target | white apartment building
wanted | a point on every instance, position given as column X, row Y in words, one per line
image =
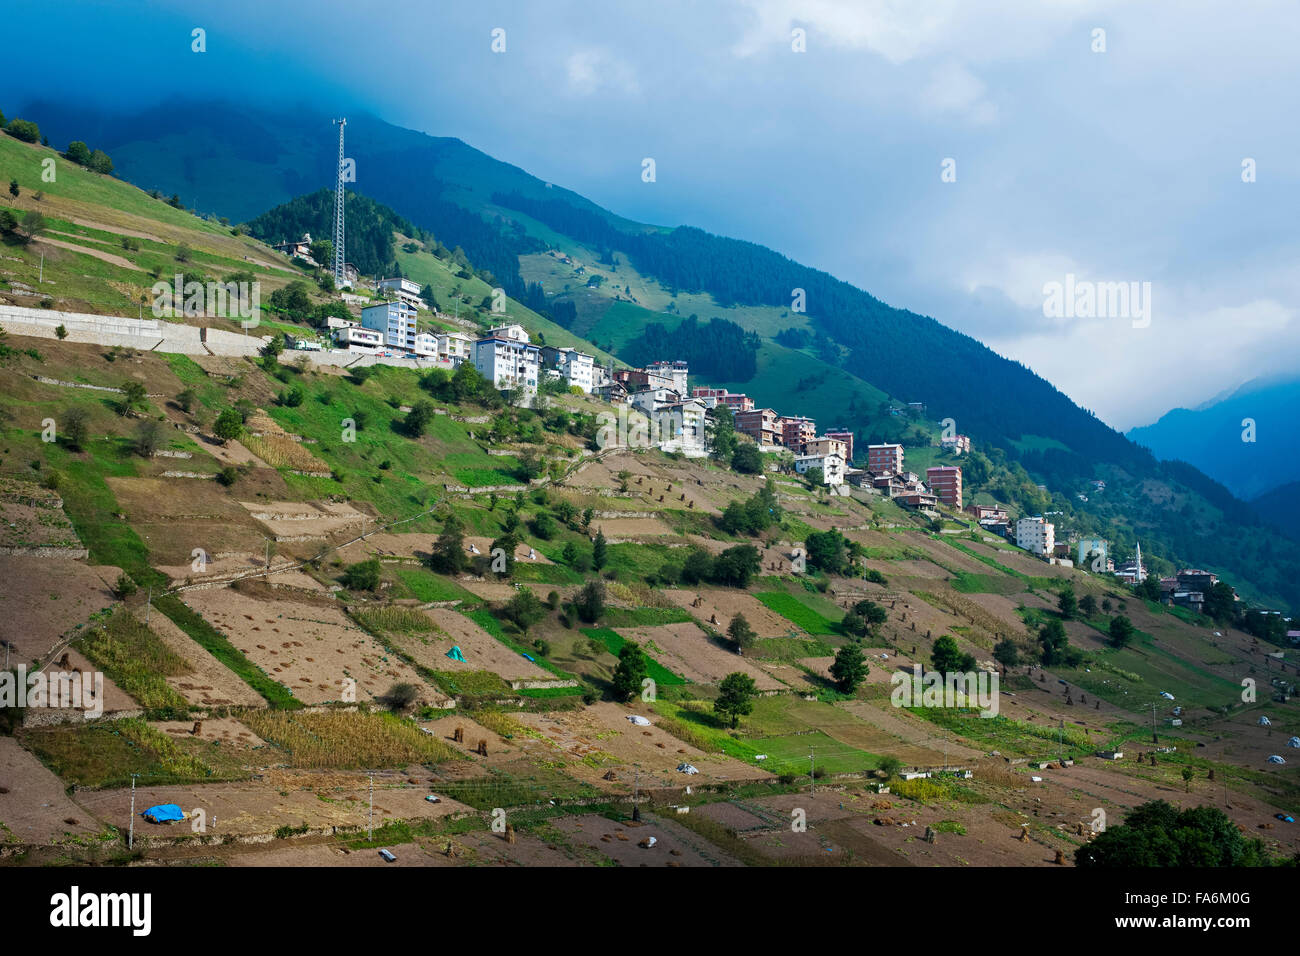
column 680, row 427
column 356, row 337
column 1036, row 535
column 832, row 466
column 508, row 363
column 455, row 347
column 674, row 372
column 426, row 345
column 395, row 320
column 403, row 290
column 576, row 368
column 514, row 333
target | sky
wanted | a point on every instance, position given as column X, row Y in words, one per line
column 956, row 159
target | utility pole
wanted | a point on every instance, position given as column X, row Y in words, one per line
column 636, row 792
column 41, row 279
column 130, row 837
column 1154, row 739
column 370, row 820
column 148, row 606
column 812, row 778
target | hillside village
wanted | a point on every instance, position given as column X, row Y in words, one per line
column 376, row 574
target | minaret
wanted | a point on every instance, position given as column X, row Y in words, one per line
column 1141, row 572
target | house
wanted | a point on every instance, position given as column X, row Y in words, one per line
column 576, row 368
column 613, row 392
column 648, row 399
column 796, row 431
column 760, row 425
column 845, row 436
column 426, row 345
column 1293, row 636
column 454, row 347
column 1092, row 549
column 679, row 426
column 513, row 333
column 395, row 320
column 921, row 500
column 945, row 481
column 298, row 249
column 831, row 465
column 825, row 445
column 713, row 397
column 1196, row 579
column 883, row 459
column 1036, row 535
column 675, row 372
column 508, row 362
column 1132, row 572
column 982, row 513
column 957, row 444
column 401, row 289
column 358, row 338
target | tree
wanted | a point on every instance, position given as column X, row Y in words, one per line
column 1088, row 605
column 133, row 394
column 124, row 587
column 721, row 434
column 148, row 436
column 1054, row 641
column 946, row 657
column 77, row 152
column 1220, row 602
column 1006, row 653
column 599, row 551
column 889, row 766
column 849, row 668
column 25, row 130
column 229, row 425
column 418, row 418
column 362, row 576
column 62, row 332
column 1122, row 631
column 827, row 551
column 1157, row 834
column 740, row 632
column 747, row 459
column 100, row 163
column 33, row 224
column 871, row 612
column 402, row 696
column 1067, row 603
column 736, row 565
column 632, row 669
column 448, row 553
column 13, row 188
column 697, row 567
column 815, row 477
column 1188, row 774
column 525, row 609
column 76, row 427
column 590, row 601
column 736, row 695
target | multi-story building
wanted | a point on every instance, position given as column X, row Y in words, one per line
column 514, row 332
column 1090, row 550
column 945, row 482
column 847, row 437
column 884, row 458
column 395, row 321
column 638, row 378
column 455, row 347
column 760, row 425
column 958, row 444
column 403, row 290
column 576, row 368
column 796, row 432
column 680, row 427
column 983, row 513
column 1037, row 535
column 648, row 399
column 426, row 345
column 508, row 363
column 832, row 467
column 825, row 445
column 713, row 397
column 1194, row 579
column 358, row 337
column 675, row 372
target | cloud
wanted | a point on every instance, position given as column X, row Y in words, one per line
column 595, row 70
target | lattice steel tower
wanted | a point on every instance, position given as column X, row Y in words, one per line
column 339, row 257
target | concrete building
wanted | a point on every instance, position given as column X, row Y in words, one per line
column 675, row 372
column 884, row 458
column 983, row 513
column 957, row 444
column 796, row 432
column 395, row 321
column 825, row 445
column 760, row 425
column 679, row 426
column 1036, row 535
column 403, row 290
column 358, row 337
column 576, row 368
column 1090, row 549
column 845, row 436
column 713, row 397
column 508, row 363
column 945, row 482
column 513, row 332
column 455, row 347
column 832, row 467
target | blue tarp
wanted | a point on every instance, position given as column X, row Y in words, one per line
column 164, row 813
